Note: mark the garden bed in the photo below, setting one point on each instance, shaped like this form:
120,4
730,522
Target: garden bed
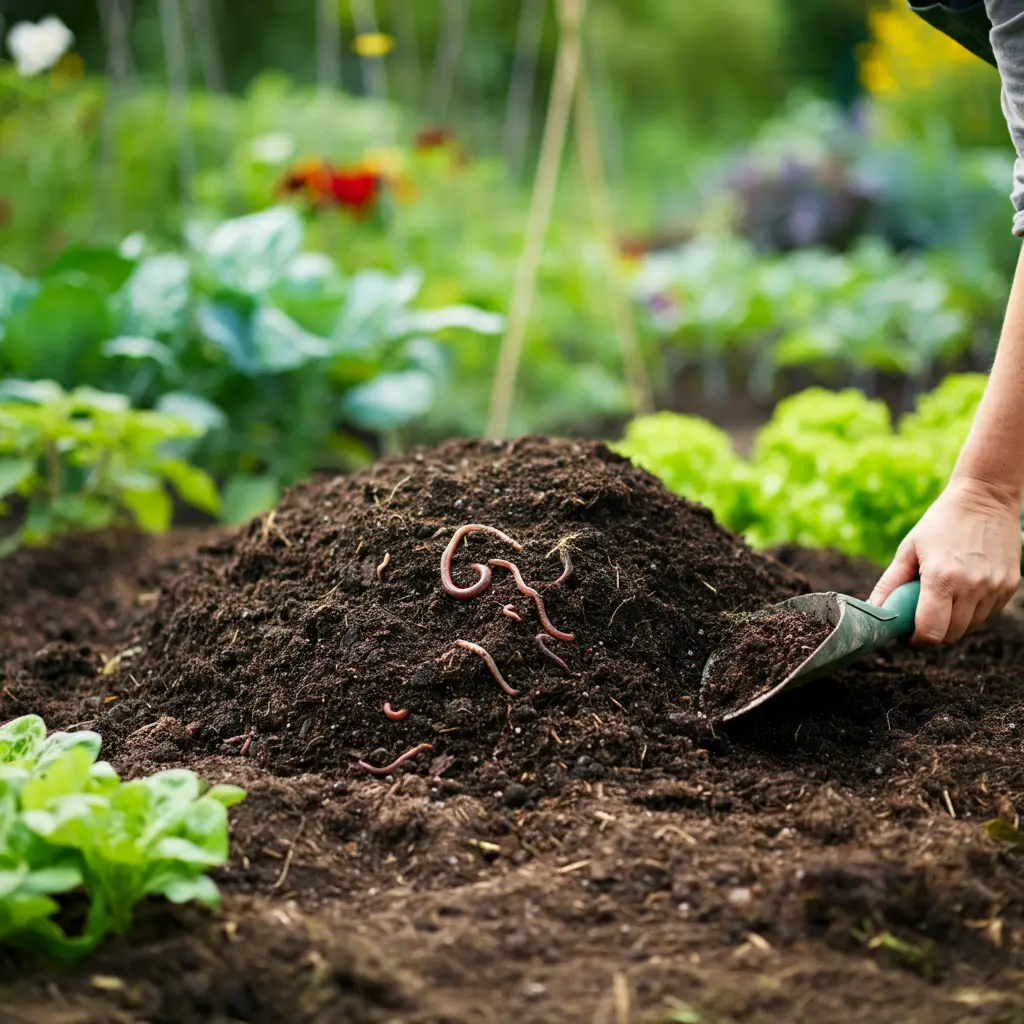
588,849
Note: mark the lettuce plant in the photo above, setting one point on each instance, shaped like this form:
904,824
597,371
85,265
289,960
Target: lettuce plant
68,823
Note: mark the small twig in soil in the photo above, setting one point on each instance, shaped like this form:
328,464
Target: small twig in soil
484,582
528,591
621,603
541,640
949,803
398,762
270,524
478,650
288,857
620,998
391,497
395,716
510,611
385,562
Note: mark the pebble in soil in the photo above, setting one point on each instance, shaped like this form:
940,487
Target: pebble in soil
300,627
757,654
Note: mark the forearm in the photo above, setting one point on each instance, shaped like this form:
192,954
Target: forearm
993,454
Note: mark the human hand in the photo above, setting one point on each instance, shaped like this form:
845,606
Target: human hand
966,550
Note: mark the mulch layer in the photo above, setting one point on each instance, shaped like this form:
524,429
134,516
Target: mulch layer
591,849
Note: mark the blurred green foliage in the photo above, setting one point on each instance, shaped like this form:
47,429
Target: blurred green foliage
828,471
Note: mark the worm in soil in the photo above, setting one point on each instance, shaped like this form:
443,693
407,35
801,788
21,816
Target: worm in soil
398,762
477,649
510,611
245,745
528,591
567,568
541,640
395,716
385,562
484,582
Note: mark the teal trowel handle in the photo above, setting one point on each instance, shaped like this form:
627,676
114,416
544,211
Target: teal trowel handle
903,601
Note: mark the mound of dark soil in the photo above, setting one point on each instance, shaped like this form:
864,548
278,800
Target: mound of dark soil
298,630
588,850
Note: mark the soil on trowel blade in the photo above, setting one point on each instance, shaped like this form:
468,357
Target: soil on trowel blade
755,655
591,849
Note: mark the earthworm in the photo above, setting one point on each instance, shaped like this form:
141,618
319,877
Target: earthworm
510,611
484,582
541,640
477,649
528,591
385,562
245,745
398,762
395,716
567,568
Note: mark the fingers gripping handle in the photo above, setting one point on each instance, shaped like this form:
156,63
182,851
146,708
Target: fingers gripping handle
903,601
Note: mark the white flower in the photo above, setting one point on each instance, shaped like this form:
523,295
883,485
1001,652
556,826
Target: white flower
37,47
274,148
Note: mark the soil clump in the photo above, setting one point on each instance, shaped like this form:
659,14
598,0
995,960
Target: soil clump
755,655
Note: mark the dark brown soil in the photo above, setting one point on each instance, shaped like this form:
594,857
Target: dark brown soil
590,850
755,655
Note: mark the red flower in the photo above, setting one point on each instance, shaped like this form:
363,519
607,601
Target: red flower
312,177
357,190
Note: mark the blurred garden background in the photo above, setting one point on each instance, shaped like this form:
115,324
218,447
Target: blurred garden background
244,242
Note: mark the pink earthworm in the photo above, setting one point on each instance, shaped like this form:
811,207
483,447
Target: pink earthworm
541,640
398,762
477,649
567,568
528,591
510,611
484,582
395,716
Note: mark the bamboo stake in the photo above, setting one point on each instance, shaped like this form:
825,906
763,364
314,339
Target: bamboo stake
328,46
519,107
449,47
552,146
172,29
588,144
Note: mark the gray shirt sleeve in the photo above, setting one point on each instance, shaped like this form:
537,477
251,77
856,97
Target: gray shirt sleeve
1007,36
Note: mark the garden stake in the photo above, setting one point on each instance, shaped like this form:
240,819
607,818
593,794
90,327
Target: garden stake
858,628
567,63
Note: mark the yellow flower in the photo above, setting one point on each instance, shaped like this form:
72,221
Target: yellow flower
373,44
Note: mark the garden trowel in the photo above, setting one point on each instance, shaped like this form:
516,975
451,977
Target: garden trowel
858,628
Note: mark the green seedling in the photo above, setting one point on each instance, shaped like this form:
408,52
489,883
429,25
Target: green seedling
84,460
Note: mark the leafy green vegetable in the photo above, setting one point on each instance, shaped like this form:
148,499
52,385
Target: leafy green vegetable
828,470
79,459
68,822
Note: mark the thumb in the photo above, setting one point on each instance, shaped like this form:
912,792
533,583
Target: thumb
902,569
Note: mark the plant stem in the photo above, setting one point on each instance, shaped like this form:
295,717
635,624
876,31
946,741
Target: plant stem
54,474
